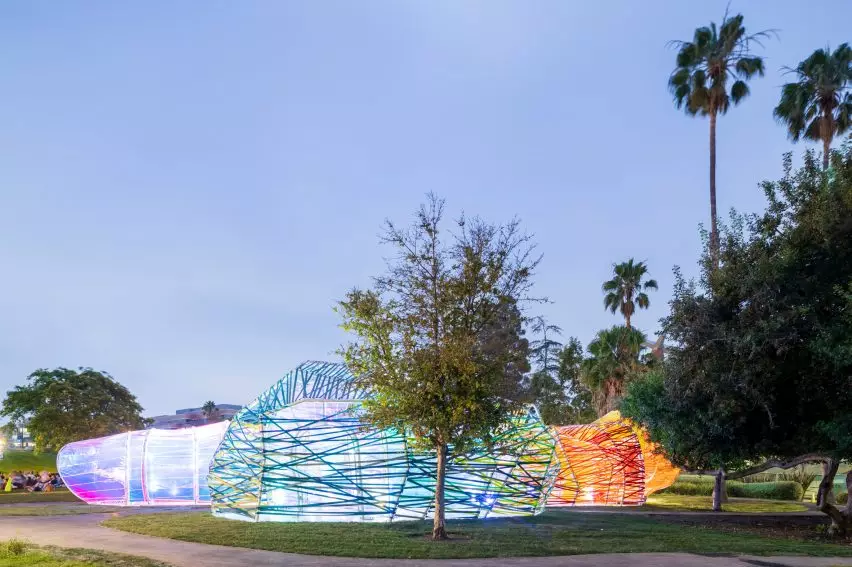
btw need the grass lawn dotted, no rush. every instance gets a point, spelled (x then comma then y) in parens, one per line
(17, 460)
(677, 502)
(20, 554)
(22, 496)
(58, 510)
(552, 533)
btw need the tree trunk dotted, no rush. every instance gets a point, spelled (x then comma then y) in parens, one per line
(719, 490)
(439, 530)
(826, 152)
(825, 493)
(714, 231)
(838, 519)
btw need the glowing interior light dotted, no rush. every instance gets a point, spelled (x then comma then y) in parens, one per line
(604, 464)
(303, 438)
(141, 468)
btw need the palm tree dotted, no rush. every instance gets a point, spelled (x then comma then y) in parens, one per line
(613, 363)
(699, 83)
(209, 409)
(818, 106)
(626, 291)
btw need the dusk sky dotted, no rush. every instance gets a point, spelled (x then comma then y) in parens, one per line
(189, 187)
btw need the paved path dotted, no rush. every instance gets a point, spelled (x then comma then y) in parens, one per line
(85, 531)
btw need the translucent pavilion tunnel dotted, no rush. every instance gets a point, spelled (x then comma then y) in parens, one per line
(140, 468)
(300, 453)
(609, 462)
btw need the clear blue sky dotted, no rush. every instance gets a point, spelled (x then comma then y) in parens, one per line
(188, 187)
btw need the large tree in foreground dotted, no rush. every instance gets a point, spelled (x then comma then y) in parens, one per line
(818, 105)
(439, 339)
(761, 367)
(626, 291)
(63, 405)
(712, 74)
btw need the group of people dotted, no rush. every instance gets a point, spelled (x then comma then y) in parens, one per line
(30, 481)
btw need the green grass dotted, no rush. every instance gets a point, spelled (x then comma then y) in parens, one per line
(17, 460)
(22, 496)
(16, 553)
(59, 510)
(552, 533)
(678, 502)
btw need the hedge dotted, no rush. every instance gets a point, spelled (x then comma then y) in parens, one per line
(781, 490)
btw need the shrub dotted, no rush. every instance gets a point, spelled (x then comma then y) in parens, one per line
(761, 477)
(781, 490)
(15, 547)
(799, 474)
(842, 498)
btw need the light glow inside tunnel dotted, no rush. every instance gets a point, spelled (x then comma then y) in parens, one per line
(142, 468)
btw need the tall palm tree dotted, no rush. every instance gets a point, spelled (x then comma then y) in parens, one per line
(613, 363)
(626, 291)
(818, 106)
(209, 409)
(699, 83)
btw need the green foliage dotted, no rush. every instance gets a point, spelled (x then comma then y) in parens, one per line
(209, 410)
(15, 547)
(563, 399)
(818, 105)
(842, 498)
(439, 339)
(626, 290)
(762, 353)
(62, 406)
(613, 363)
(799, 474)
(706, 64)
(780, 490)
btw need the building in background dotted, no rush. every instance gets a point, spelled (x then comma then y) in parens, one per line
(193, 417)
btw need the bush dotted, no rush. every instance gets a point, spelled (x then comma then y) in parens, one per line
(782, 490)
(695, 486)
(15, 547)
(842, 498)
(761, 477)
(799, 474)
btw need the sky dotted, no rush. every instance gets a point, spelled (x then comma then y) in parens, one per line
(188, 188)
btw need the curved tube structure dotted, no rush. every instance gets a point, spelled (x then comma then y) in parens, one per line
(142, 468)
(300, 453)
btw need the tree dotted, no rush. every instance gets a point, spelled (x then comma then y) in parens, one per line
(63, 406)
(543, 351)
(613, 363)
(209, 410)
(561, 397)
(760, 369)
(439, 337)
(626, 291)
(818, 105)
(699, 83)
(580, 408)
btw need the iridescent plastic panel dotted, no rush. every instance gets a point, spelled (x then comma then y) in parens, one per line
(142, 468)
(301, 453)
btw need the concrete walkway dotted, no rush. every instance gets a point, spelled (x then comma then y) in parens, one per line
(85, 531)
